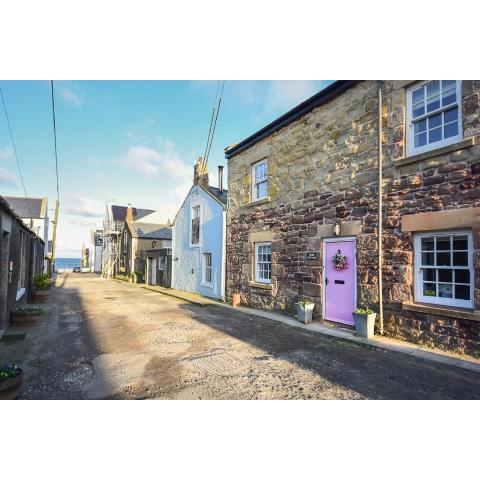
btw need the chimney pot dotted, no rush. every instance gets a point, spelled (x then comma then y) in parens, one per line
(220, 178)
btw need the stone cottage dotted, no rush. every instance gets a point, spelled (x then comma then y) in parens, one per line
(303, 209)
(22, 253)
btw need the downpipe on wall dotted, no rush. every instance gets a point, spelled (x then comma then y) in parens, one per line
(380, 208)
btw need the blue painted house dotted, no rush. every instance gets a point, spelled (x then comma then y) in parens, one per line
(198, 237)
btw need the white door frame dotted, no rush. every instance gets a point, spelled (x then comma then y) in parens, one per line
(324, 250)
(154, 270)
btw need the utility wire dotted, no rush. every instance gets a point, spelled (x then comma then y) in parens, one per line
(209, 146)
(55, 139)
(211, 121)
(16, 157)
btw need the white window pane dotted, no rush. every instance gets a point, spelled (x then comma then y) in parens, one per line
(462, 276)
(460, 259)
(445, 275)
(429, 275)
(420, 126)
(443, 243)
(451, 115)
(427, 243)
(435, 135)
(429, 289)
(460, 243)
(428, 258)
(418, 102)
(443, 259)
(420, 140)
(462, 292)
(433, 96)
(451, 130)
(435, 121)
(445, 290)
(449, 93)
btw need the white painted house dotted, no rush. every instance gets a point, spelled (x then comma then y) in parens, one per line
(198, 237)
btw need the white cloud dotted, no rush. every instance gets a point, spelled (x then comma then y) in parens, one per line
(71, 94)
(8, 178)
(83, 206)
(285, 94)
(6, 153)
(148, 161)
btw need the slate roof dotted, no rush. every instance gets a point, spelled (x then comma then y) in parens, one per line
(221, 196)
(20, 206)
(4, 205)
(150, 230)
(119, 213)
(323, 96)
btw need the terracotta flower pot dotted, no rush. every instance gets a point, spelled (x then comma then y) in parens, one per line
(12, 388)
(236, 300)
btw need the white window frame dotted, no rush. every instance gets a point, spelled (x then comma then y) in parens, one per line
(411, 150)
(257, 278)
(255, 165)
(418, 274)
(196, 245)
(206, 268)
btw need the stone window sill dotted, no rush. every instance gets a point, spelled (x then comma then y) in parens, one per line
(258, 202)
(264, 286)
(468, 142)
(458, 313)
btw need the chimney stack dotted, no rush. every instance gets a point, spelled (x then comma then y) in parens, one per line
(220, 178)
(200, 173)
(129, 214)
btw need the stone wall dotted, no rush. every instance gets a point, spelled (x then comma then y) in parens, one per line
(323, 169)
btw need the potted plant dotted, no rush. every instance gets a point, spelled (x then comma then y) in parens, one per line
(11, 380)
(304, 309)
(364, 322)
(26, 314)
(42, 285)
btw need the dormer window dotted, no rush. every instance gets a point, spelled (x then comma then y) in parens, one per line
(434, 115)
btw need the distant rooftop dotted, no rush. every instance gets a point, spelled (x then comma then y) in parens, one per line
(19, 205)
(119, 213)
(150, 230)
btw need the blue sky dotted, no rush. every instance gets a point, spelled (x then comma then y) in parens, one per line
(131, 141)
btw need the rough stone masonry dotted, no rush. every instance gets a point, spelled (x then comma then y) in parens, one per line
(322, 169)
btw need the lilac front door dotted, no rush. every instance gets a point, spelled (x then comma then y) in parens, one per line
(340, 285)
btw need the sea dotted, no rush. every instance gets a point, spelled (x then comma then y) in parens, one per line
(68, 263)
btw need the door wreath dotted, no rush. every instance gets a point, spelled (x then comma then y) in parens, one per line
(339, 261)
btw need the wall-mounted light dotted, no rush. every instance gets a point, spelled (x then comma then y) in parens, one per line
(336, 229)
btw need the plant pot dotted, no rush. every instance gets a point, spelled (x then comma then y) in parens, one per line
(12, 388)
(365, 324)
(305, 312)
(20, 319)
(236, 300)
(42, 293)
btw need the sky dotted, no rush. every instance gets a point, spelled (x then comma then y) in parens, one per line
(126, 141)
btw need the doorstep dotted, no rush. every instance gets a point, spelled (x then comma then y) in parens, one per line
(385, 343)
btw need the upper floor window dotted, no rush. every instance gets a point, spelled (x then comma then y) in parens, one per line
(195, 227)
(434, 115)
(444, 268)
(259, 180)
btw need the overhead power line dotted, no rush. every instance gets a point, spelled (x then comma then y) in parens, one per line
(16, 156)
(55, 139)
(213, 120)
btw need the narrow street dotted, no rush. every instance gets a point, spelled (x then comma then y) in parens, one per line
(105, 339)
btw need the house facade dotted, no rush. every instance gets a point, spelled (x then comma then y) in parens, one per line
(303, 209)
(137, 237)
(113, 226)
(21, 258)
(34, 213)
(198, 243)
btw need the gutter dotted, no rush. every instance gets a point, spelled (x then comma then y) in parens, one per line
(325, 95)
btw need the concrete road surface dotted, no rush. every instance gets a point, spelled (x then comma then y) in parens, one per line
(105, 339)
